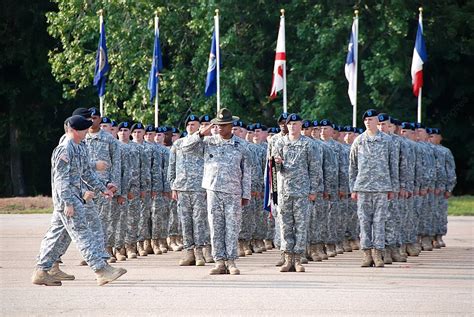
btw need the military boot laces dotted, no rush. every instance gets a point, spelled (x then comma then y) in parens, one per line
(377, 257)
(367, 260)
(141, 249)
(288, 266)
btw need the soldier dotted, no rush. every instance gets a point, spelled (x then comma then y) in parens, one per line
(70, 168)
(299, 180)
(185, 173)
(114, 129)
(104, 150)
(227, 183)
(373, 177)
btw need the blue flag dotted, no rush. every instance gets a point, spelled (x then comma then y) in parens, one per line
(156, 66)
(101, 63)
(211, 79)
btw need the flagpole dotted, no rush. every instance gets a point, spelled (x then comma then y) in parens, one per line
(218, 59)
(101, 98)
(356, 57)
(285, 100)
(157, 85)
(419, 92)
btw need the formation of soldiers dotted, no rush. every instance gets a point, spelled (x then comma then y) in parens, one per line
(337, 189)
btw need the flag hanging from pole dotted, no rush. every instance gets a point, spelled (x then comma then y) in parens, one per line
(211, 79)
(350, 68)
(101, 62)
(419, 58)
(156, 65)
(280, 61)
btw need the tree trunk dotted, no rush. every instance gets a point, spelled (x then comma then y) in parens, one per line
(16, 171)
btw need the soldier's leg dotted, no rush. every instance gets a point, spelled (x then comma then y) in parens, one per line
(112, 225)
(200, 222)
(145, 214)
(444, 216)
(173, 229)
(380, 206)
(233, 215)
(365, 213)
(133, 216)
(301, 208)
(248, 217)
(287, 224)
(390, 224)
(216, 216)
(95, 224)
(185, 212)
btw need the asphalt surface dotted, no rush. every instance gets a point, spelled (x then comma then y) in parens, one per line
(437, 283)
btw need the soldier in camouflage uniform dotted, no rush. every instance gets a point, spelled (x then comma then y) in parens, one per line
(299, 180)
(104, 150)
(373, 177)
(227, 183)
(185, 173)
(70, 171)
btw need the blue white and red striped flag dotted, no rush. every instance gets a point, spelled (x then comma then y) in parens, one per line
(419, 58)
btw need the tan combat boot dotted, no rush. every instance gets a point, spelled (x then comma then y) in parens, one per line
(331, 250)
(241, 248)
(435, 243)
(246, 246)
(288, 265)
(112, 258)
(313, 252)
(268, 244)
(141, 249)
(303, 259)
(219, 268)
(387, 255)
(403, 250)
(298, 265)
(120, 254)
(163, 245)
(367, 260)
(155, 247)
(346, 246)
(59, 275)
(262, 245)
(188, 258)
(207, 253)
(147, 246)
(322, 251)
(131, 254)
(412, 250)
(199, 256)
(354, 245)
(109, 274)
(281, 261)
(397, 256)
(173, 244)
(441, 241)
(377, 257)
(233, 270)
(426, 243)
(41, 277)
(339, 248)
(256, 246)
(179, 242)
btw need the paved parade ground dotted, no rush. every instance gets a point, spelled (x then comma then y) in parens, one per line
(440, 282)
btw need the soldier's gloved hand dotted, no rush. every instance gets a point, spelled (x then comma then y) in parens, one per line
(121, 200)
(69, 211)
(390, 195)
(174, 195)
(130, 196)
(244, 202)
(312, 197)
(354, 196)
(88, 195)
(101, 166)
(112, 187)
(447, 195)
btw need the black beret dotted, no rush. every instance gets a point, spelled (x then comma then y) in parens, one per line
(430, 131)
(78, 123)
(124, 125)
(174, 130)
(106, 120)
(348, 128)
(383, 117)
(86, 113)
(251, 128)
(306, 124)
(419, 125)
(273, 130)
(114, 123)
(325, 123)
(184, 134)
(282, 117)
(257, 126)
(407, 126)
(205, 118)
(191, 118)
(395, 121)
(94, 111)
(137, 125)
(165, 129)
(370, 113)
(150, 128)
(293, 117)
(315, 123)
(360, 130)
(437, 130)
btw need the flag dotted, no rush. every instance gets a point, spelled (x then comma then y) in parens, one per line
(419, 58)
(270, 198)
(156, 65)
(101, 63)
(350, 68)
(211, 79)
(280, 61)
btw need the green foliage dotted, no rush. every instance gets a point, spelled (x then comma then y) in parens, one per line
(461, 206)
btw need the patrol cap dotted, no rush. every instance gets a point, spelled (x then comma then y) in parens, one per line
(293, 117)
(94, 111)
(137, 125)
(191, 118)
(370, 113)
(123, 125)
(86, 113)
(205, 118)
(383, 117)
(282, 117)
(315, 123)
(114, 123)
(419, 125)
(150, 128)
(306, 124)
(106, 120)
(325, 123)
(78, 123)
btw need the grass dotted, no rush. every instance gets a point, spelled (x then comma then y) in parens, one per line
(458, 206)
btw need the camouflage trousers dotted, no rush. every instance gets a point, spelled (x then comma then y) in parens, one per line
(442, 215)
(317, 224)
(192, 210)
(225, 216)
(104, 207)
(404, 209)
(261, 217)
(59, 235)
(353, 230)
(270, 230)
(343, 229)
(393, 224)
(122, 212)
(334, 219)
(371, 210)
(293, 215)
(159, 216)
(247, 225)
(113, 223)
(144, 222)
(174, 225)
(427, 215)
(133, 217)
(414, 218)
